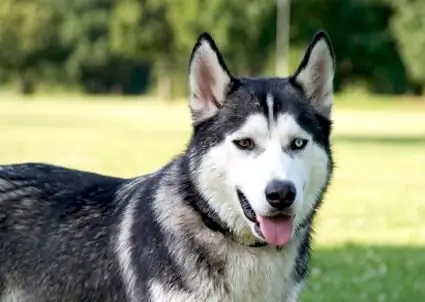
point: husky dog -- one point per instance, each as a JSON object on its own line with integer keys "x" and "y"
{"x": 230, "y": 219}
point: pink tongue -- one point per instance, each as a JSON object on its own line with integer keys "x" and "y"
{"x": 276, "y": 230}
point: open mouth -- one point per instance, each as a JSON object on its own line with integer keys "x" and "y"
{"x": 246, "y": 207}
{"x": 276, "y": 230}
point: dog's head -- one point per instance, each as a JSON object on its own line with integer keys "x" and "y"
{"x": 260, "y": 150}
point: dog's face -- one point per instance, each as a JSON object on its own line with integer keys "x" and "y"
{"x": 261, "y": 146}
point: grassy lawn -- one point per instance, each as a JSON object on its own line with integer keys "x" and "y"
{"x": 370, "y": 241}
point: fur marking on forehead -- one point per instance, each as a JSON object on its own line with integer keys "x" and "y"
{"x": 270, "y": 113}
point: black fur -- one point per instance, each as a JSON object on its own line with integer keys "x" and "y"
{"x": 59, "y": 227}
{"x": 55, "y": 224}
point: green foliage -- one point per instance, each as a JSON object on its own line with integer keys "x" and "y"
{"x": 364, "y": 45}
{"x": 409, "y": 28}
{"x": 125, "y": 45}
{"x": 139, "y": 30}
{"x": 83, "y": 31}
{"x": 243, "y": 29}
{"x": 25, "y": 31}
{"x": 27, "y": 36}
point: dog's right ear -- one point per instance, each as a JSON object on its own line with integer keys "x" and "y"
{"x": 209, "y": 79}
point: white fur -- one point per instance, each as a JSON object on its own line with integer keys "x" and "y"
{"x": 226, "y": 168}
{"x": 261, "y": 274}
{"x": 208, "y": 82}
{"x": 317, "y": 77}
{"x": 251, "y": 274}
{"x": 13, "y": 294}
{"x": 124, "y": 247}
{"x": 161, "y": 292}
{"x": 269, "y": 101}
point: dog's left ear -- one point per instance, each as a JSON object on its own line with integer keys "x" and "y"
{"x": 316, "y": 73}
{"x": 209, "y": 79}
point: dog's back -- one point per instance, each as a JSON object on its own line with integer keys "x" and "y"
{"x": 55, "y": 234}
{"x": 230, "y": 219}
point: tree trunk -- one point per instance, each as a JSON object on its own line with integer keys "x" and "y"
{"x": 26, "y": 82}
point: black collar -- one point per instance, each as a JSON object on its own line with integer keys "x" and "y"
{"x": 193, "y": 198}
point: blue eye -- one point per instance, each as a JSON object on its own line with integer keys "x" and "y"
{"x": 298, "y": 143}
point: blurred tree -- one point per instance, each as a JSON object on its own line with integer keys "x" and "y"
{"x": 139, "y": 31}
{"x": 92, "y": 62}
{"x": 113, "y": 45}
{"x": 163, "y": 32}
{"x": 28, "y": 37}
{"x": 84, "y": 32}
{"x": 243, "y": 29}
{"x": 365, "y": 47}
{"x": 409, "y": 28}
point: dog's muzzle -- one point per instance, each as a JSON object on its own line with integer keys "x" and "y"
{"x": 276, "y": 229}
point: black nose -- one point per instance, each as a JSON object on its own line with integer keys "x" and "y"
{"x": 280, "y": 194}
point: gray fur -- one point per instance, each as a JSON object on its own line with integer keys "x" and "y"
{"x": 68, "y": 235}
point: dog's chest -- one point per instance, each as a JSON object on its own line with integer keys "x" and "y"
{"x": 249, "y": 276}
{"x": 260, "y": 276}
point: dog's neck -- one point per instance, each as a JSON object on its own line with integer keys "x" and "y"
{"x": 197, "y": 202}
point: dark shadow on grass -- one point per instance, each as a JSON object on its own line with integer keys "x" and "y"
{"x": 375, "y": 139}
{"x": 354, "y": 273}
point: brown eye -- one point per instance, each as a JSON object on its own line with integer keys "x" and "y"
{"x": 244, "y": 144}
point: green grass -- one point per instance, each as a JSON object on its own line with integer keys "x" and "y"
{"x": 370, "y": 233}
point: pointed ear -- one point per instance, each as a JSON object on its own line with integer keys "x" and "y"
{"x": 316, "y": 73}
{"x": 209, "y": 79}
